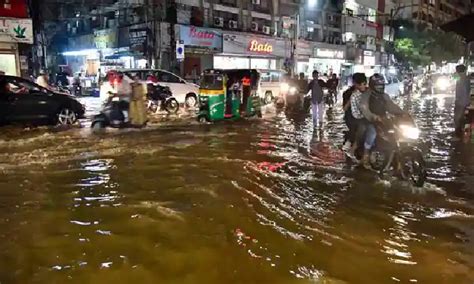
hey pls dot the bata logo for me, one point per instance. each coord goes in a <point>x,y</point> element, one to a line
<point>193,32</point>
<point>256,46</point>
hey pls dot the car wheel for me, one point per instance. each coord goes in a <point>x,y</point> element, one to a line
<point>97,125</point>
<point>191,100</point>
<point>66,116</point>
<point>268,98</point>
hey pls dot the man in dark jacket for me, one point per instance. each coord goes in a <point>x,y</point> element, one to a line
<point>373,106</point>
<point>317,103</point>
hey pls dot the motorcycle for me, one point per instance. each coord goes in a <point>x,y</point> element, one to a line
<point>328,98</point>
<point>396,149</point>
<point>112,114</point>
<point>161,98</point>
<point>77,90</point>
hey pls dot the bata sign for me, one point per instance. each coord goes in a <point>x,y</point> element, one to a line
<point>198,37</point>
<point>257,46</point>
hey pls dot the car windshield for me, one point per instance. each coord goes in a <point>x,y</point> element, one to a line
<point>212,82</point>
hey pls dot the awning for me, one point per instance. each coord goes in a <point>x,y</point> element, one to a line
<point>119,54</point>
<point>462,26</point>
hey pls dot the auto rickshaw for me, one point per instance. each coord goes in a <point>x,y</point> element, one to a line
<point>228,94</point>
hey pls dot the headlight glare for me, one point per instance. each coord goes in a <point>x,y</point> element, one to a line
<point>410,132</point>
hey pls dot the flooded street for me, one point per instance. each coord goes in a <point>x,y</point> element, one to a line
<point>257,201</point>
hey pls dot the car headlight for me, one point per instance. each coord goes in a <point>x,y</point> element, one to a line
<point>410,132</point>
<point>442,83</point>
<point>284,87</point>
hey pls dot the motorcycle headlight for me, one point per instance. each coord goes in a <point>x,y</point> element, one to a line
<point>442,83</point>
<point>284,87</point>
<point>293,91</point>
<point>410,132</point>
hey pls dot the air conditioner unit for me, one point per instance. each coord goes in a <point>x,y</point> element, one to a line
<point>256,2</point>
<point>219,22</point>
<point>266,30</point>
<point>233,24</point>
<point>254,27</point>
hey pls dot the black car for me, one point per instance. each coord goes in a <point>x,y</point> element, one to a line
<point>24,102</point>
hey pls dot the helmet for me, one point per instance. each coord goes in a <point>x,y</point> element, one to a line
<point>377,83</point>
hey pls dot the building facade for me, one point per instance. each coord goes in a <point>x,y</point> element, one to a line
<point>433,13</point>
<point>16,32</point>
<point>297,35</point>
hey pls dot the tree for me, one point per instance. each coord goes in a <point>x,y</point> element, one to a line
<point>419,45</point>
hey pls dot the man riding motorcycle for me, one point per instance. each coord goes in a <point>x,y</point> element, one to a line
<point>374,105</point>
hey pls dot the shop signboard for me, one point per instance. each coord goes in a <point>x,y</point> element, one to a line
<point>14,9</point>
<point>16,30</point>
<point>329,53</point>
<point>105,38</point>
<point>138,39</point>
<point>369,58</point>
<point>252,45</point>
<point>198,37</point>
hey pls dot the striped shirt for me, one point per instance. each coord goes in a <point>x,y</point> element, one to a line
<point>355,105</point>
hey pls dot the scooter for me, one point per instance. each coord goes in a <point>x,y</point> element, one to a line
<point>396,150</point>
<point>161,98</point>
<point>112,114</point>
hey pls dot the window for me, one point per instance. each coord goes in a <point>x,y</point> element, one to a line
<point>372,14</point>
<point>15,86</point>
<point>349,12</point>
<point>276,76</point>
<point>265,77</point>
<point>167,77</point>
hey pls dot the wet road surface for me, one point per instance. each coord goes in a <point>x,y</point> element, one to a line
<point>258,201</point>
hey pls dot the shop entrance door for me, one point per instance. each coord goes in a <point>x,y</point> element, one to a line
<point>192,68</point>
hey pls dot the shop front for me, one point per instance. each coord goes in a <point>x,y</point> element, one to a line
<point>304,51</point>
<point>248,51</point>
<point>200,45</point>
<point>12,32</point>
<point>133,48</point>
<point>366,62</point>
<point>328,59</point>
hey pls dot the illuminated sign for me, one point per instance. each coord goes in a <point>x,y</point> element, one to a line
<point>257,46</point>
<point>329,53</point>
<point>200,37</point>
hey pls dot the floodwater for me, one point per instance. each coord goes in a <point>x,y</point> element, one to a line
<point>258,201</point>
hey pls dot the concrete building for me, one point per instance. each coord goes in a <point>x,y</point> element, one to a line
<point>433,13</point>
<point>302,35</point>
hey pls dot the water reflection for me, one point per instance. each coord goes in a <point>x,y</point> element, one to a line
<point>268,201</point>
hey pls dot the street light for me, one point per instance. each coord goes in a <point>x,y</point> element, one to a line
<point>401,27</point>
<point>312,3</point>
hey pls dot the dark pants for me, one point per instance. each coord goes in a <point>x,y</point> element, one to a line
<point>459,120</point>
<point>352,125</point>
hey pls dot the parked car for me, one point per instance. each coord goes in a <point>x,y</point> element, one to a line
<point>24,102</point>
<point>185,92</point>
<point>271,85</point>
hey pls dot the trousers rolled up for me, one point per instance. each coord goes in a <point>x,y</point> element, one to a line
<point>318,112</point>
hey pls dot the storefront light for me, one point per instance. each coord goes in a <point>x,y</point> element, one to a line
<point>84,52</point>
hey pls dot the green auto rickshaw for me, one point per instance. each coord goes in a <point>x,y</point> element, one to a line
<point>228,94</point>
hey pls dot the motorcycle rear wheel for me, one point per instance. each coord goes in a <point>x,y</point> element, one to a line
<point>172,106</point>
